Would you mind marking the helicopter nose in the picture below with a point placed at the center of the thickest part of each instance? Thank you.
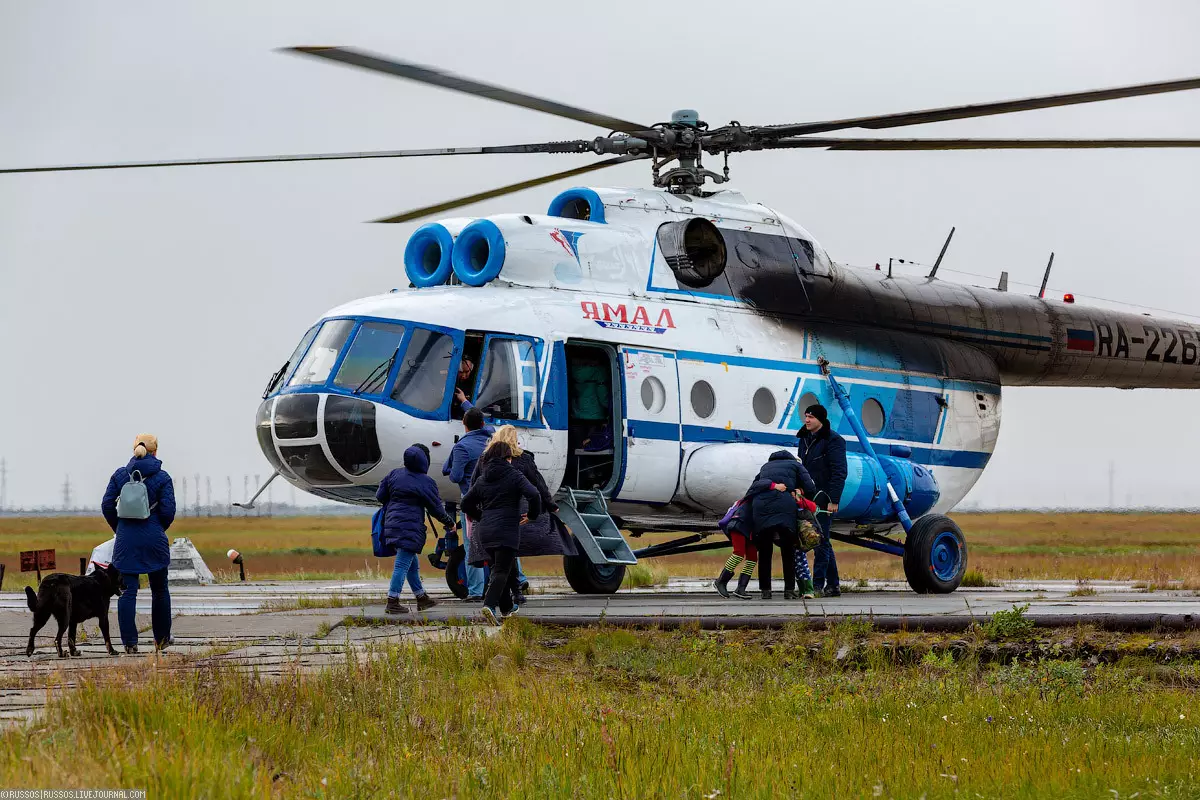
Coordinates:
(322, 440)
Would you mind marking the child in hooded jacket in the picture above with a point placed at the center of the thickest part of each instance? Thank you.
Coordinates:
(407, 493)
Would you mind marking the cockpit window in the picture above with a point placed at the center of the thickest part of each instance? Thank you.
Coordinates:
(319, 360)
(508, 384)
(368, 363)
(424, 370)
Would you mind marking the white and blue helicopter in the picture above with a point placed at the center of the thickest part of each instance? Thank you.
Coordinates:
(711, 322)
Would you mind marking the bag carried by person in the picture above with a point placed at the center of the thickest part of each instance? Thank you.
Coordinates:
(134, 500)
(380, 549)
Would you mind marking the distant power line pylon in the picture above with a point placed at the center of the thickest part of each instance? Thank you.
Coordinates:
(228, 496)
(3, 484)
(208, 495)
(196, 508)
(67, 494)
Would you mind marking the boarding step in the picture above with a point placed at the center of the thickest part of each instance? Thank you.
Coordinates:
(586, 514)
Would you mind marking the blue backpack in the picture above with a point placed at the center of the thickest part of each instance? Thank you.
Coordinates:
(380, 549)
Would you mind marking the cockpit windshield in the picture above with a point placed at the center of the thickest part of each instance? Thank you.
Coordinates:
(421, 369)
(367, 365)
(322, 355)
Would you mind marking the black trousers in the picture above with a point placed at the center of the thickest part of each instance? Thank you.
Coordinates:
(503, 583)
(787, 551)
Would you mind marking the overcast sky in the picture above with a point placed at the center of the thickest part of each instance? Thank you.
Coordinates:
(161, 300)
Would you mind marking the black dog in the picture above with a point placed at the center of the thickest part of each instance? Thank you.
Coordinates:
(72, 599)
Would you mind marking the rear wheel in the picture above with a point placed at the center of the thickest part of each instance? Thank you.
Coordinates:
(935, 555)
(588, 578)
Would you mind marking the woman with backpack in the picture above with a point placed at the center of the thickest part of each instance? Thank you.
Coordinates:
(407, 493)
(494, 506)
(139, 505)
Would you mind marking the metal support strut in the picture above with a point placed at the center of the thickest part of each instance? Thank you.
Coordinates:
(844, 401)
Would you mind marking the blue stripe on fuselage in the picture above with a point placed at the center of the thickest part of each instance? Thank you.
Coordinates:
(841, 371)
(699, 434)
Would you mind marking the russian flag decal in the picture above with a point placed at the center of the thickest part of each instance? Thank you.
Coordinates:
(1082, 340)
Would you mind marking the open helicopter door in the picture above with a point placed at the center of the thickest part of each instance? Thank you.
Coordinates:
(652, 449)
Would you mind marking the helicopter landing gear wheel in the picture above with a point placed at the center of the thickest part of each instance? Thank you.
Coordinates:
(588, 578)
(935, 555)
(458, 586)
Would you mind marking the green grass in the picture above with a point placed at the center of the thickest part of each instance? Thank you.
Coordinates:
(613, 713)
(643, 575)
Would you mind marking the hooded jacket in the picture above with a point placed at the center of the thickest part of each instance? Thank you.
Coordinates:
(539, 537)
(141, 545)
(495, 501)
(406, 494)
(464, 455)
(824, 456)
(773, 509)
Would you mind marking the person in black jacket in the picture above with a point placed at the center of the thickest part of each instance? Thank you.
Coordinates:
(823, 453)
(539, 537)
(775, 516)
(494, 506)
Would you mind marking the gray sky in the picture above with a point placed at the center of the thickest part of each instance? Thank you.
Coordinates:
(161, 300)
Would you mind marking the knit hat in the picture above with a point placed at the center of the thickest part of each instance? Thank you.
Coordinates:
(818, 411)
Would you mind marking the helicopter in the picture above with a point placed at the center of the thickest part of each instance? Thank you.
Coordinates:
(709, 321)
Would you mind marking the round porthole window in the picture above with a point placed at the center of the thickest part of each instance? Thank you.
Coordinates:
(654, 395)
(704, 401)
(872, 416)
(764, 406)
(807, 399)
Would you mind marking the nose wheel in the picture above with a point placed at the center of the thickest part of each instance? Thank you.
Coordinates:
(935, 555)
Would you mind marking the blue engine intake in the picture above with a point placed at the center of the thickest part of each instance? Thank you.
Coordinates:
(427, 256)
(478, 253)
(865, 497)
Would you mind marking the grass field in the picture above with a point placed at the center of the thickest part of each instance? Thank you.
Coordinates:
(606, 713)
(1153, 548)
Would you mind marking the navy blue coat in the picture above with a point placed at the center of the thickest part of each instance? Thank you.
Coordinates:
(141, 545)
(742, 520)
(773, 509)
(464, 455)
(824, 456)
(406, 494)
(495, 501)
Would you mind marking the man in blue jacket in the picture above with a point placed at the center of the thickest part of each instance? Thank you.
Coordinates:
(459, 467)
(823, 453)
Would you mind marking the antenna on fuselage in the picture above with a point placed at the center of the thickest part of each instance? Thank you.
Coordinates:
(941, 255)
(1046, 278)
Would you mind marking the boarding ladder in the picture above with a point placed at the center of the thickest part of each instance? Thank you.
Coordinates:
(586, 514)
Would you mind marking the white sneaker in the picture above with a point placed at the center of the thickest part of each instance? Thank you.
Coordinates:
(515, 609)
(491, 616)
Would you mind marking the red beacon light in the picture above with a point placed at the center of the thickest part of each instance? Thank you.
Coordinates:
(1068, 298)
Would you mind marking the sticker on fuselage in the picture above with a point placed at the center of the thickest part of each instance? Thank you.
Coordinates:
(618, 317)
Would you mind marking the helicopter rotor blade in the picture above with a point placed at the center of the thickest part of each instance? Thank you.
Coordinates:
(575, 146)
(433, 77)
(448, 205)
(976, 144)
(975, 110)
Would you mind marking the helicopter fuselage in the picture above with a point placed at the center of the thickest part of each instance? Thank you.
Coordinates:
(702, 382)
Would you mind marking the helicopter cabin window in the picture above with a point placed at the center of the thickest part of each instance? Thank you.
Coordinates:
(319, 360)
(424, 370)
(508, 380)
(368, 363)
